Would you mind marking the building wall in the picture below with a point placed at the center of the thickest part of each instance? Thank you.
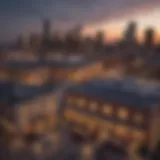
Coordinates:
(154, 127)
(4, 74)
(113, 120)
(87, 72)
(34, 76)
(40, 111)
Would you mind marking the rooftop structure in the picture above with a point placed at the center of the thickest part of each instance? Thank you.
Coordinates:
(121, 91)
(120, 111)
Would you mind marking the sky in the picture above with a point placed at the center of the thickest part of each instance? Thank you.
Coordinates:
(26, 16)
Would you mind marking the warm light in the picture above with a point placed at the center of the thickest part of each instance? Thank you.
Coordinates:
(93, 106)
(123, 113)
(138, 118)
(107, 109)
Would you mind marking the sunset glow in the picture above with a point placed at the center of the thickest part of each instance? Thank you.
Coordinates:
(114, 29)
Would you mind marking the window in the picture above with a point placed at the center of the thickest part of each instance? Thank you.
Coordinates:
(81, 102)
(107, 109)
(34, 79)
(93, 106)
(104, 135)
(139, 135)
(138, 118)
(3, 75)
(121, 130)
(123, 113)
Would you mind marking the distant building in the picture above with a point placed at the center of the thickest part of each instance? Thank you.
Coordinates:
(73, 40)
(46, 38)
(20, 42)
(88, 46)
(35, 41)
(99, 41)
(47, 29)
(149, 38)
(127, 118)
(130, 33)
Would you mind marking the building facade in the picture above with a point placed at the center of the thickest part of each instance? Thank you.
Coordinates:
(110, 113)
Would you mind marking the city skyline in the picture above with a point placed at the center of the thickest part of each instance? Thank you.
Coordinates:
(19, 17)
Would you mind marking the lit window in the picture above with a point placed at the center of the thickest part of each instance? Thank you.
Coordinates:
(3, 75)
(34, 79)
(81, 102)
(93, 106)
(104, 134)
(139, 135)
(138, 118)
(123, 113)
(107, 109)
(121, 131)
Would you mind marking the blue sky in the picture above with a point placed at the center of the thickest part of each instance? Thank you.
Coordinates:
(25, 16)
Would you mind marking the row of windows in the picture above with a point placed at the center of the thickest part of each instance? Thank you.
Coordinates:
(122, 112)
(110, 129)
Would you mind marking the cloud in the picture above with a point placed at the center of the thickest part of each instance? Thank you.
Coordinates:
(75, 10)
(70, 12)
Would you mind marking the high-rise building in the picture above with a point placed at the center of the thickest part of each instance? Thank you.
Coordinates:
(46, 29)
(34, 41)
(130, 33)
(20, 42)
(46, 34)
(99, 41)
(74, 39)
(149, 37)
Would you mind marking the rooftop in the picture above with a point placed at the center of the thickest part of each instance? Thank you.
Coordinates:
(17, 93)
(48, 63)
(125, 92)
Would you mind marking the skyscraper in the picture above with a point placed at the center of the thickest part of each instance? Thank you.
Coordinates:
(20, 42)
(74, 39)
(46, 34)
(149, 37)
(46, 29)
(99, 41)
(130, 33)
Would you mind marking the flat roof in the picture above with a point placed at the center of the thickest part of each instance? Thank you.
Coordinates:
(117, 91)
(68, 63)
(18, 93)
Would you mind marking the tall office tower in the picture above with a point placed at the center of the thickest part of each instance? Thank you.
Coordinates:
(149, 36)
(47, 28)
(34, 41)
(20, 42)
(99, 41)
(77, 31)
(73, 39)
(46, 40)
(130, 33)
(46, 34)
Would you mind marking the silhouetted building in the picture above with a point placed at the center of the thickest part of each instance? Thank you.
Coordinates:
(88, 45)
(34, 41)
(46, 34)
(149, 37)
(130, 33)
(99, 41)
(57, 40)
(73, 39)
(20, 42)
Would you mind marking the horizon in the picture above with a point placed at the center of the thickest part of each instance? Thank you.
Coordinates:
(24, 18)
